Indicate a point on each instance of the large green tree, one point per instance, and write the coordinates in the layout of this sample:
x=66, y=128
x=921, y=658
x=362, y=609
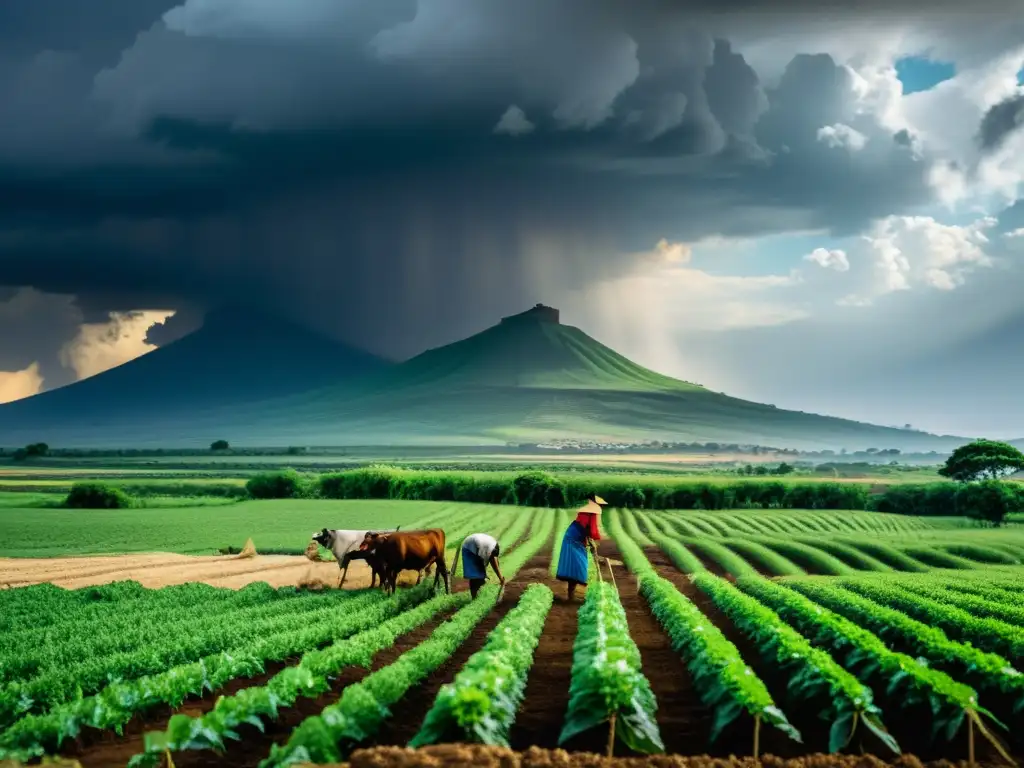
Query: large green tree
x=983, y=459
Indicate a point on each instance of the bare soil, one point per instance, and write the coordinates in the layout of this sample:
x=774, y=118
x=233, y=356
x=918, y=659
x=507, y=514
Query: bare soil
x=474, y=756
x=546, y=697
x=164, y=569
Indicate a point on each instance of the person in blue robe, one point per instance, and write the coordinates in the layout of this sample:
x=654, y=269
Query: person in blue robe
x=581, y=534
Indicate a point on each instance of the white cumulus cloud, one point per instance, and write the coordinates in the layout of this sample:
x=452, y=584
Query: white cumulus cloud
x=840, y=136
x=918, y=250
x=829, y=259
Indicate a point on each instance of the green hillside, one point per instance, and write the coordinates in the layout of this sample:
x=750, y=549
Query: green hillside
x=527, y=379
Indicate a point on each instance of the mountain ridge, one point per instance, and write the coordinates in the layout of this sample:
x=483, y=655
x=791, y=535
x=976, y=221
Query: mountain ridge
x=526, y=378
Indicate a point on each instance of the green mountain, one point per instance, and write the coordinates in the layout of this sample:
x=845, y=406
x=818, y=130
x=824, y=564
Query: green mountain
x=527, y=379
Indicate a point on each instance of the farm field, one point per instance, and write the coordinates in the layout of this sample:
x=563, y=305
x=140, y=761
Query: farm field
x=781, y=632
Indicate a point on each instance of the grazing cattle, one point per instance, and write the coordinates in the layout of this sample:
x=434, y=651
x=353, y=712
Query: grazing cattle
x=408, y=551
x=344, y=544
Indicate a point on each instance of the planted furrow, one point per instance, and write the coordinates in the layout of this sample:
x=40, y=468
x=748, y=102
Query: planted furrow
x=990, y=674
x=923, y=694
x=991, y=635
x=725, y=683
x=815, y=683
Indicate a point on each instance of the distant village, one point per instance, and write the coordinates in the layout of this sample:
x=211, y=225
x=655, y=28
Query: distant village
x=874, y=455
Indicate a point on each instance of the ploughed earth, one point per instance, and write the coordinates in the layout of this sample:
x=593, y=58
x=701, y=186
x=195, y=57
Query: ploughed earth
x=164, y=569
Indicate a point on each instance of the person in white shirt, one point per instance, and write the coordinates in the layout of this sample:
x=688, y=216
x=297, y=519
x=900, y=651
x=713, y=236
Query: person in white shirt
x=478, y=551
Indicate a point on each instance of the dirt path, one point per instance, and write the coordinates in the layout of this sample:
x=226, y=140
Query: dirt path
x=163, y=569
x=546, y=698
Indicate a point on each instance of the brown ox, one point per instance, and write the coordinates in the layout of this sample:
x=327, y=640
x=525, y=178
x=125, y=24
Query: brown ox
x=407, y=551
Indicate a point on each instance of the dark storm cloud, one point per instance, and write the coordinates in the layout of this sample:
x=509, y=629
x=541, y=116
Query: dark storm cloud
x=338, y=161
x=1000, y=121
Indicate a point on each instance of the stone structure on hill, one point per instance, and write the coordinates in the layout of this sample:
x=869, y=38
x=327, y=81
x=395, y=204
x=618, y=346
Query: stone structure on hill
x=538, y=313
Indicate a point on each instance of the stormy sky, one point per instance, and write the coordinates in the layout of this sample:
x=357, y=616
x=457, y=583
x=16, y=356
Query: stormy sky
x=797, y=203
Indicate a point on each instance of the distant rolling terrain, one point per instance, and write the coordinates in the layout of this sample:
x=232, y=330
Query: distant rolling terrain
x=529, y=378
x=235, y=361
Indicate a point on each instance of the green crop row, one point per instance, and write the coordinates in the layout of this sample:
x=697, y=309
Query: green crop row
x=986, y=672
x=87, y=657
x=71, y=619
x=914, y=684
x=115, y=705
x=38, y=606
x=989, y=634
x=1008, y=595
x=766, y=558
x=356, y=717
x=480, y=705
x=309, y=678
x=815, y=680
x=974, y=604
x=681, y=557
x=725, y=684
x=607, y=683
x=69, y=677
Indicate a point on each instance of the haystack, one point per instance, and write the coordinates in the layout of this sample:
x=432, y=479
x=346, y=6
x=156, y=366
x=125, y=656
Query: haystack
x=249, y=550
x=313, y=552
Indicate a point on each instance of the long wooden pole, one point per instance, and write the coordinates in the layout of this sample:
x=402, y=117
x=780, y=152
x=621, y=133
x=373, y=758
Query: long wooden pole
x=970, y=741
x=611, y=736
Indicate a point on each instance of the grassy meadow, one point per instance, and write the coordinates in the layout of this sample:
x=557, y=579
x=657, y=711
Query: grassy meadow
x=199, y=504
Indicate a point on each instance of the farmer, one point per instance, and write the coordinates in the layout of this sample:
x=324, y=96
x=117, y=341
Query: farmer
x=581, y=534
x=478, y=551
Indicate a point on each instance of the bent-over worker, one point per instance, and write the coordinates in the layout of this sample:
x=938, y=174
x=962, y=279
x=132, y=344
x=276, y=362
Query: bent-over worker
x=579, y=536
x=478, y=551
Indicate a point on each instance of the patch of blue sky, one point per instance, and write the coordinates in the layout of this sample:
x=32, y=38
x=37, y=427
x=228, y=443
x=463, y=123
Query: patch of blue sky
x=770, y=255
x=919, y=73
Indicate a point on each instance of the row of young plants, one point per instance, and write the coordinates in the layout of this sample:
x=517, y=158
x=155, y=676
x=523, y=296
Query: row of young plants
x=607, y=684
x=976, y=605
x=991, y=635
x=38, y=606
x=815, y=681
x=986, y=672
x=480, y=704
x=724, y=682
x=72, y=618
x=363, y=707
x=1008, y=594
x=947, y=704
x=88, y=656
x=36, y=735
x=309, y=678
x=84, y=664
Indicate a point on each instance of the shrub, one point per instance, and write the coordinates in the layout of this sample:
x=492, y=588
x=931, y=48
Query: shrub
x=93, y=495
x=373, y=482
x=990, y=501
x=633, y=497
x=530, y=489
x=219, y=445
x=286, y=484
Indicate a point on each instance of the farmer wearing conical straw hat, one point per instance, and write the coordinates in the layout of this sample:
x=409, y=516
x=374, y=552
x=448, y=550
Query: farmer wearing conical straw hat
x=581, y=534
